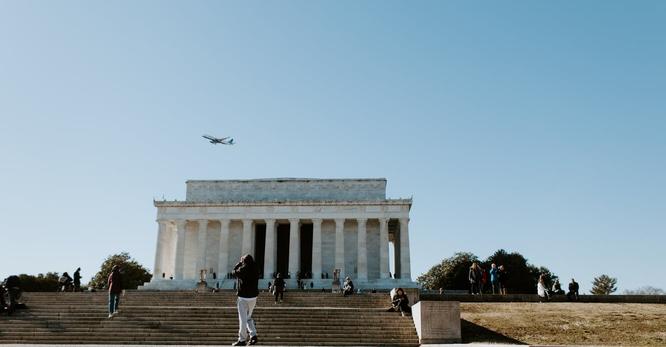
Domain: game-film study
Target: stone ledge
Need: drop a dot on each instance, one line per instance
(634, 299)
(437, 321)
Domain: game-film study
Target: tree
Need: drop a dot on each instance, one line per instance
(645, 290)
(604, 285)
(41, 283)
(451, 273)
(133, 273)
(521, 276)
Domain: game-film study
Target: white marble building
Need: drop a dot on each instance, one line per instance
(293, 226)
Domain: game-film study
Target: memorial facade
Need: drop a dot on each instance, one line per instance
(301, 228)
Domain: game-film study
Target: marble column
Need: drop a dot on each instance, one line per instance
(316, 248)
(270, 250)
(405, 267)
(294, 247)
(383, 248)
(246, 247)
(223, 260)
(361, 249)
(179, 267)
(340, 246)
(159, 250)
(201, 249)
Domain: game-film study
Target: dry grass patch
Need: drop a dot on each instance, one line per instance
(564, 323)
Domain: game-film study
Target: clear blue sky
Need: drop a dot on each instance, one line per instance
(533, 126)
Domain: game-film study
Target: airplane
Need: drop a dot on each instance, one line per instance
(214, 140)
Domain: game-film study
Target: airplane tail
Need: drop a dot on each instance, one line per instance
(231, 142)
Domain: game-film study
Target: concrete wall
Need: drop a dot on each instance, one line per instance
(647, 299)
(437, 321)
(286, 190)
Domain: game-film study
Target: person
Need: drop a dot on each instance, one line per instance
(12, 285)
(3, 305)
(484, 279)
(247, 277)
(493, 272)
(115, 284)
(542, 292)
(65, 282)
(474, 278)
(278, 288)
(348, 287)
(400, 303)
(441, 291)
(503, 279)
(572, 295)
(557, 288)
(77, 280)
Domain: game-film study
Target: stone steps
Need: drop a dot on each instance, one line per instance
(207, 319)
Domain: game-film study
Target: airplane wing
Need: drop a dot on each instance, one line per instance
(208, 137)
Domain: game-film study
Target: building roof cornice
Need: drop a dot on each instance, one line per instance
(176, 203)
(292, 179)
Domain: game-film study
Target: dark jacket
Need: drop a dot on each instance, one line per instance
(77, 278)
(401, 301)
(278, 283)
(247, 279)
(573, 287)
(115, 282)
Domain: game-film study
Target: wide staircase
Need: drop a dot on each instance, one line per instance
(304, 318)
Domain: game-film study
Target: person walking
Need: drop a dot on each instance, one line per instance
(278, 288)
(247, 277)
(494, 276)
(474, 278)
(115, 289)
(77, 280)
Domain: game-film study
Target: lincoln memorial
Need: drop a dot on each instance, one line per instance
(301, 228)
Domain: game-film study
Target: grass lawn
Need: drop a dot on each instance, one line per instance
(564, 323)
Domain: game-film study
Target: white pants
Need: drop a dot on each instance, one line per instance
(245, 308)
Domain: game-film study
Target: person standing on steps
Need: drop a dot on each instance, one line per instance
(115, 289)
(77, 280)
(278, 288)
(247, 277)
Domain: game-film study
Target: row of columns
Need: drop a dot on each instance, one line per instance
(270, 254)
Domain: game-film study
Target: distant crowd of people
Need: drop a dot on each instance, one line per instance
(479, 279)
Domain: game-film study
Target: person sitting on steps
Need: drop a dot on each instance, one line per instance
(400, 303)
(348, 287)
